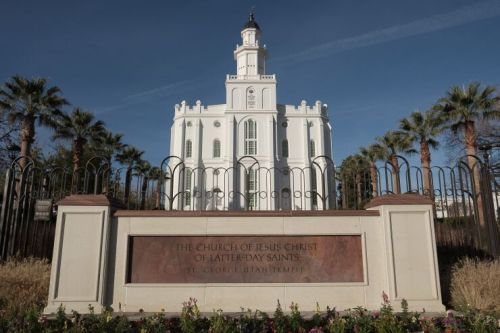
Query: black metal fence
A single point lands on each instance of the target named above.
(466, 196)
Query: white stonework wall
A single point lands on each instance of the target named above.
(79, 260)
(90, 259)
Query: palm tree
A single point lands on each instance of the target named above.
(80, 128)
(424, 127)
(28, 102)
(129, 156)
(394, 143)
(155, 173)
(144, 169)
(372, 154)
(108, 145)
(352, 172)
(60, 157)
(461, 108)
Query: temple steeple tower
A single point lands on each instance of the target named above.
(250, 56)
(251, 88)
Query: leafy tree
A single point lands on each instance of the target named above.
(8, 148)
(79, 127)
(424, 127)
(27, 102)
(394, 143)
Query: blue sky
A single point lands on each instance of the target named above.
(372, 62)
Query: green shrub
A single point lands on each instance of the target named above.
(477, 322)
(358, 320)
(190, 320)
(221, 324)
(253, 321)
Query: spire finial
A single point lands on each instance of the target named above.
(251, 17)
(251, 23)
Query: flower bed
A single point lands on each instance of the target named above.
(191, 321)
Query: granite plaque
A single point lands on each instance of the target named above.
(245, 259)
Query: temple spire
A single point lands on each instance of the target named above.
(251, 23)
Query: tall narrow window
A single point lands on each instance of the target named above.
(312, 148)
(187, 187)
(189, 148)
(250, 137)
(216, 148)
(284, 148)
(314, 188)
(252, 188)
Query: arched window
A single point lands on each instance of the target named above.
(312, 148)
(216, 148)
(250, 137)
(187, 187)
(284, 148)
(189, 148)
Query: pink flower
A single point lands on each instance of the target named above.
(385, 297)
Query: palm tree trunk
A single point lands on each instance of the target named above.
(470, 148)
(395, 174)
(77, 153)
(425, 159)
(358, 189)
(128, 180)
(27, 139)
(144, 189)
(374, 179)
(107, 176)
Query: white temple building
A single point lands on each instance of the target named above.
(250, 153)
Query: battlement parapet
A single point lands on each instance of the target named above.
(185, 108)
(316, 108)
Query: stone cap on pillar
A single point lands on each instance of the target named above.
(399, 199)
(90, 200)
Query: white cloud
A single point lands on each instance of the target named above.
(460, 16)
(162, 91)
(152, 94)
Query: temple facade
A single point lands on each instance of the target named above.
(251, 152)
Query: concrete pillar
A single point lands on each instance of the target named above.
(410, 251)
(79, 261)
